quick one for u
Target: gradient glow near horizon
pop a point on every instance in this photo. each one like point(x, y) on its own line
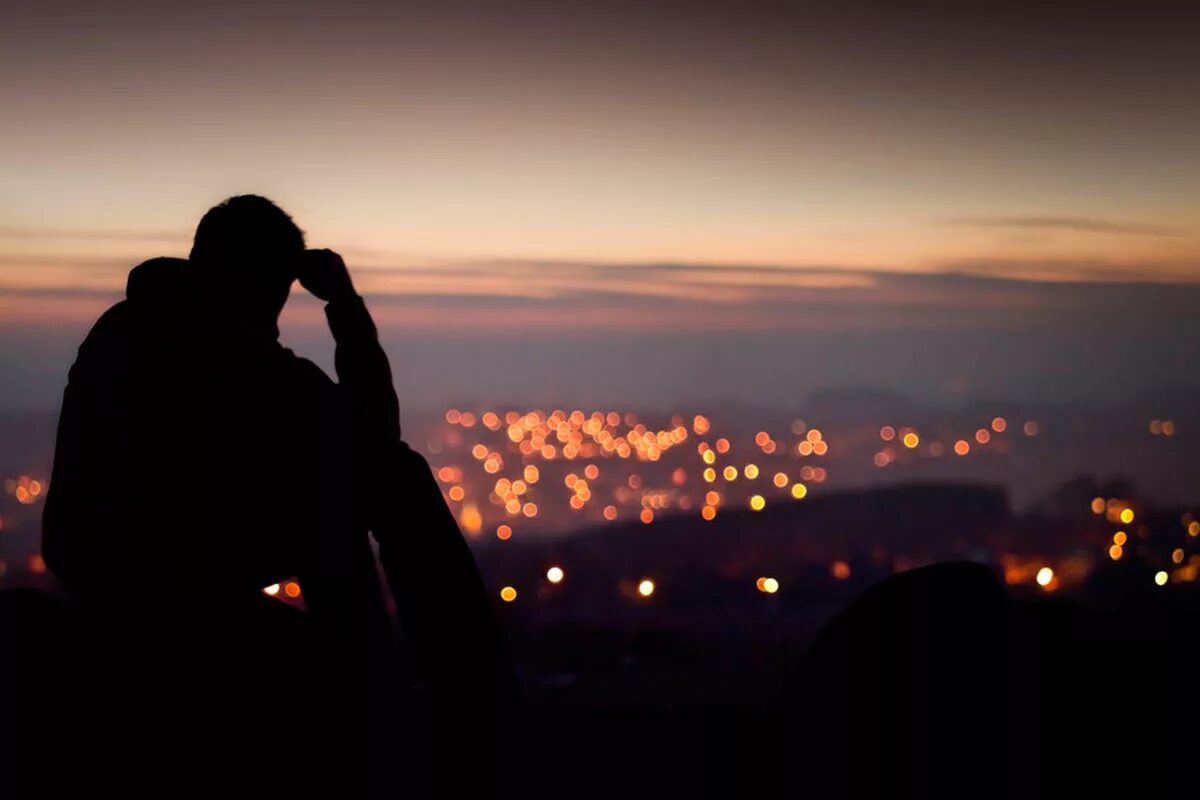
point(534, 164)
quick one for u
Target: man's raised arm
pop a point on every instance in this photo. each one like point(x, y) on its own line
point(435, 583)
point(362, 366)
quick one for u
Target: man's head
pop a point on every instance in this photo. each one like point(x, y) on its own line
point(251, 246)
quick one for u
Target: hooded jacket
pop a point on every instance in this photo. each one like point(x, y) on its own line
point(198, 456)
point(198, 460)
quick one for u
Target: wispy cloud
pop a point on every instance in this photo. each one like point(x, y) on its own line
point(1077, 224)
point(1076, 270)
point(541, 295)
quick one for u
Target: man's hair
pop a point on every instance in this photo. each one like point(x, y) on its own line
point(246, 229)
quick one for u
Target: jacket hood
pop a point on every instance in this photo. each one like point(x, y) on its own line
point(172, 290)
point(160, 281)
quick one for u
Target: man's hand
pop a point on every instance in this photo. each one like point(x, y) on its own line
point(324, 275)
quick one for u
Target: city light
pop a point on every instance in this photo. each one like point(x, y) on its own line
point(471, 520)
point(555, 574)
point(1162, 427)
point(508, 594)
point(767, 585)
point(646, 587)
point(25, 489)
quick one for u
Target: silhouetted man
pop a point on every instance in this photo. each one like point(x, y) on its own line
point(198, 457)
point(199, 461)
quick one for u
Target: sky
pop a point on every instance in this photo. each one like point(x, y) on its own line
point(639, 202)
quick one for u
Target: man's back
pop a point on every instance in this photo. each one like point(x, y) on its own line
point(192, 446)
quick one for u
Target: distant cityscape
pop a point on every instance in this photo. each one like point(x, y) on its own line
point(520, 480)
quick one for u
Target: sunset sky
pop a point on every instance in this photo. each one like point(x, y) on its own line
point(767, 197)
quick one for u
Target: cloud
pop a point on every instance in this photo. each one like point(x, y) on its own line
point(1076, 271)
point(1077, 224)
point(548, 295)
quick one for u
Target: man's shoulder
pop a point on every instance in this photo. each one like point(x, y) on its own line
point(114, 323)
point(298, 370)
point(119, 313)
